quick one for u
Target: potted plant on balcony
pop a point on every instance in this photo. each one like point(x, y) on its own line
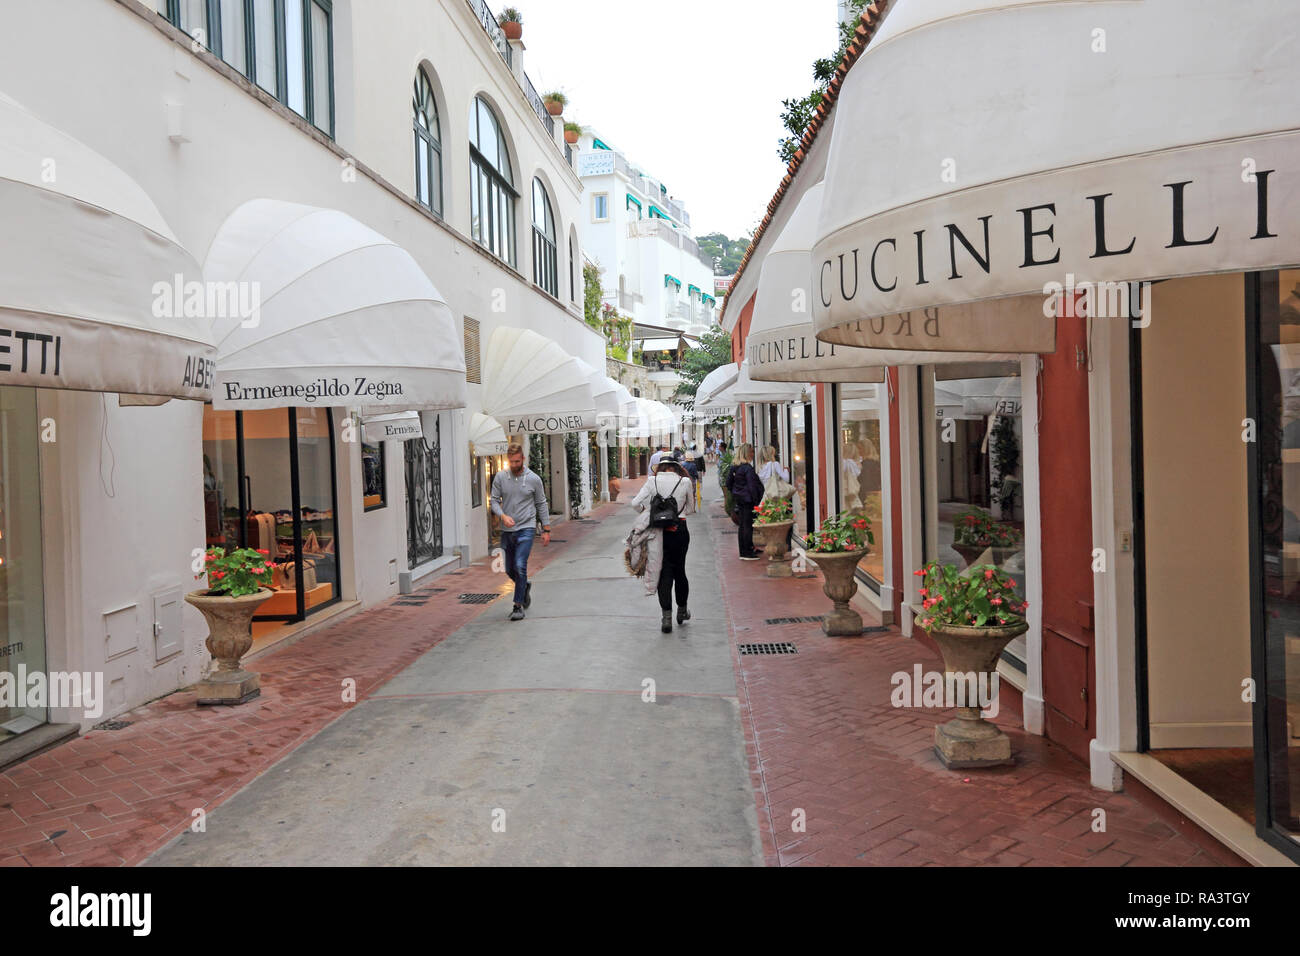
point(571, 132)
point(773, 519)
point(837, 547)
point(974, 531)
point(511, 23)
point(555, 102)
point(237, 586)
point(972, 616)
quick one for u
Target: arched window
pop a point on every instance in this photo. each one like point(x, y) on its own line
point(492, 184)
point(573, 265)
point(545, 271)
point(428, 145)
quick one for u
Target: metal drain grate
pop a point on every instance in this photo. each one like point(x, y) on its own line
point(478, 598)
point(113, 724)
point(785, 647)
point(795, 620)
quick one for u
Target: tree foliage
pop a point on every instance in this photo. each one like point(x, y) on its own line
point(714, 351)
point(798, 112)
point(726, 252)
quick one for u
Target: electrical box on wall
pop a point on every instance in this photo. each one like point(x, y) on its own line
point(121, 631)
point(167, 619)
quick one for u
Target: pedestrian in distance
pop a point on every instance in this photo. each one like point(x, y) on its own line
point(658, 456)
point(519, 498)
point(746, 492)
point(695, 466)
point(668, 498)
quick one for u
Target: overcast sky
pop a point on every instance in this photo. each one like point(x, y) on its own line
point(689, 90)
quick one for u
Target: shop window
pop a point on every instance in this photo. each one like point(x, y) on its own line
point(600, 207)
point(373, 477)
point(858, 414)
point(284, 46)
point(976, 514)
point(492, 188)
point(22, 596)
point(545, 267)
point(801, 467)
point(477, 467)
point(428, 145)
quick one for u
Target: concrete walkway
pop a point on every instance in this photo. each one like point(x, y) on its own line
point(524, 743)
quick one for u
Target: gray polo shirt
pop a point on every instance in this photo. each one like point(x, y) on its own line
point(522, 498)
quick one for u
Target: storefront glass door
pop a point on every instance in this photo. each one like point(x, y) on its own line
point(22, 595)
point(424, 496)
point(800, 466)
point(1276, 658)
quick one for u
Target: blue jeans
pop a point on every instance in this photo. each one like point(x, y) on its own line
point(518, 545)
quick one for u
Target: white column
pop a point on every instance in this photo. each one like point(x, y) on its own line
point(1112, 521)
point(910, 490)
point(1029, 419)
point(885, 533)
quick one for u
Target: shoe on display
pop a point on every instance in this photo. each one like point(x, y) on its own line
point(667, 624)
point(517, 614)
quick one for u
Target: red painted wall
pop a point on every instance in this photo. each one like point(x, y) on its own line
point(1065, 489)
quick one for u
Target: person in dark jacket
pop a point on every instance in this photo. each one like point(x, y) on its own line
point(746, 492)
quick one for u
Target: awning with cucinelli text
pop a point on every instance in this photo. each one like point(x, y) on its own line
point(1158, 139)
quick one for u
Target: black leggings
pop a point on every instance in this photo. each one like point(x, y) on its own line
point(745, 532)
point(673, 571)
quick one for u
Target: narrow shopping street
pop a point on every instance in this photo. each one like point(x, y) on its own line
point(464, 720)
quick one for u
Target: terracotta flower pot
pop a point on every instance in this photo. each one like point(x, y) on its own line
point(772, 535)
point(614, 488)
point(570, 137)
point(968, 740)
point(554, 108)
point(839, 584)
point(230, 635)
point(512, 29)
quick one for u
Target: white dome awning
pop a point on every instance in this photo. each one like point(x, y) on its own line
point(392, 426)
point(346, 316)
point(720, 378)
point(782, 345)
point(771, 393)
point(96, 293)
point(532, 385)
point(979, 208)
point(486, 436)
point(604, 390)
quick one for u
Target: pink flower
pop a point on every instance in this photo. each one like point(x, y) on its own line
point(923, 592)
point(988, 574)
point(996, 601)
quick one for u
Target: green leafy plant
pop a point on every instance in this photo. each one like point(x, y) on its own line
point(713, 351)
point(1006, 459)
point(573, 463)
point(573, 128)
point(555, 96)
point(774, 511)
point(975, 527)
point(509, 15)
point(798, 112)
point(978, 597)
point(237, 573)
point(845, 531)
point(614, 470)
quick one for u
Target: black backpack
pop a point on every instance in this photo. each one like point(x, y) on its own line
point(663, 511)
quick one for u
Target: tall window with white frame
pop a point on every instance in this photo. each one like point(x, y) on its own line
point(428, 146)
point(573, 265)
point(545, 270)
point(284, 46)
point(492, 187)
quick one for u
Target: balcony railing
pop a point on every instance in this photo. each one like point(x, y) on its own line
point(487, 19)
point(660, 229)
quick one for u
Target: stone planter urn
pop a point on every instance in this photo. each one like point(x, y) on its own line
point(968, 740)
point(230, 635)
point(839, 585)
point(772, 536)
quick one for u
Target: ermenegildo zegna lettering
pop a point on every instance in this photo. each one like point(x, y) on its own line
point(959, 249)
point(311, 391)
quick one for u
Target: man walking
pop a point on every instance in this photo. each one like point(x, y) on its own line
point(519, 498)
point(659, 456)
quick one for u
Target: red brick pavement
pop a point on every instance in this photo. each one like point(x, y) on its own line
point(822, 736)
point(110, 798)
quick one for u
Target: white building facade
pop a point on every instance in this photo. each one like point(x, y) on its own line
point(414, 121)
point(640, 237)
